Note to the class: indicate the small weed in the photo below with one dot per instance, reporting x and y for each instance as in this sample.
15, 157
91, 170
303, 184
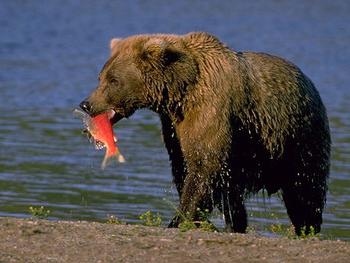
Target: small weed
203, 215
187, 225
289, 232
202, 223
39, 212
207, 226
113, 220
150, 219
277, 229
308, 234
251, 230
282, 230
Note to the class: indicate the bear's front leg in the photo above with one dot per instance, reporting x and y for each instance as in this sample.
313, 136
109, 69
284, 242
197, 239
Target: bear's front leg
197, 192
205, 144
195, 199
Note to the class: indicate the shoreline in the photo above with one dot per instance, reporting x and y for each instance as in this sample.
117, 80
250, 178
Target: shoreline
27, 240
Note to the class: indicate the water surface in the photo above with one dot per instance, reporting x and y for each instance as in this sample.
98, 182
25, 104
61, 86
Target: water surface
51, 53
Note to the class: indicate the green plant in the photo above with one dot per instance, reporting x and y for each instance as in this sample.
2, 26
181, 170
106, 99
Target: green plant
150, 219
280, 229
251, 229
113, 220
187, 225
207, 226
202, 223
308, 233
39, 212
289, 232
203, 215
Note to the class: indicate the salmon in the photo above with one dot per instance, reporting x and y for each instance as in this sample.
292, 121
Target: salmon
100, 130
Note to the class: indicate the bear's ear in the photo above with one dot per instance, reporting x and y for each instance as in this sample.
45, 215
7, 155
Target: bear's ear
160, 51
113, 43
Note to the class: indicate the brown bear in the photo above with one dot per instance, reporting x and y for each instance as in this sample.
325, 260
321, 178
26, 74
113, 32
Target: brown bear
233, 123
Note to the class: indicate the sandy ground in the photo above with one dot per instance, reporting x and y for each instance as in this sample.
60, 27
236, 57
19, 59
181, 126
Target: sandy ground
23, 240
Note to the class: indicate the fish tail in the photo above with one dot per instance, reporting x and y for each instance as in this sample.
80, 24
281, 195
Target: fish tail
117, 156
120, 158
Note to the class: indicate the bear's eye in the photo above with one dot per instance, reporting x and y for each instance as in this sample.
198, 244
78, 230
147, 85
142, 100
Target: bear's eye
114, 81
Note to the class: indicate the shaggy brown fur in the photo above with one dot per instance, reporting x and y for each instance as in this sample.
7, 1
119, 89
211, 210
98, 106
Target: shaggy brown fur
233, 122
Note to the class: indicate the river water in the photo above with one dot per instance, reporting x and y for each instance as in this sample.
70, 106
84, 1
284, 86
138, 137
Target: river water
51, 53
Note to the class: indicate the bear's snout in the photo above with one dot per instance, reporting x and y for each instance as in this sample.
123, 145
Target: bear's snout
85, 106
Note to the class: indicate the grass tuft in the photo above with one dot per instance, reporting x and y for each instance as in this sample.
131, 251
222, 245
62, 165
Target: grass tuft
113, 220
39, 212
150, 219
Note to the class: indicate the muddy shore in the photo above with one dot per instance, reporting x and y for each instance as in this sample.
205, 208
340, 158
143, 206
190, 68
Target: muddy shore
24, 240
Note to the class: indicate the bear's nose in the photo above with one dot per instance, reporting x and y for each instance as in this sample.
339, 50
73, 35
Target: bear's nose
85, 106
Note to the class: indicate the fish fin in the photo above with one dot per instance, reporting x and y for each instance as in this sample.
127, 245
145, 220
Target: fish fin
118, 157
104, 162
85, 117
88, 124
121, 158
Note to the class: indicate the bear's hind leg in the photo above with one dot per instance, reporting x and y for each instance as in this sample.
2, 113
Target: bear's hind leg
304, 203
234, 212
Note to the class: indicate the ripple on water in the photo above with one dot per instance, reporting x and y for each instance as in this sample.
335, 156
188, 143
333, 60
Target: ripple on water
44, 160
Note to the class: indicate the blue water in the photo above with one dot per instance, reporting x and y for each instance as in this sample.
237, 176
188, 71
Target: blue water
51, 53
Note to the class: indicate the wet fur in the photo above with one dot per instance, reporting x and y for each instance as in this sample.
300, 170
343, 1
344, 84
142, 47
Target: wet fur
233, 123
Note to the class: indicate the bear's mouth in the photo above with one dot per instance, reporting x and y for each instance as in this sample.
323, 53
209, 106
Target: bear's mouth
114, 116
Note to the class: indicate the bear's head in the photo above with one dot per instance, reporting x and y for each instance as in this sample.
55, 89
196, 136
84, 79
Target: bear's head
144, 71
